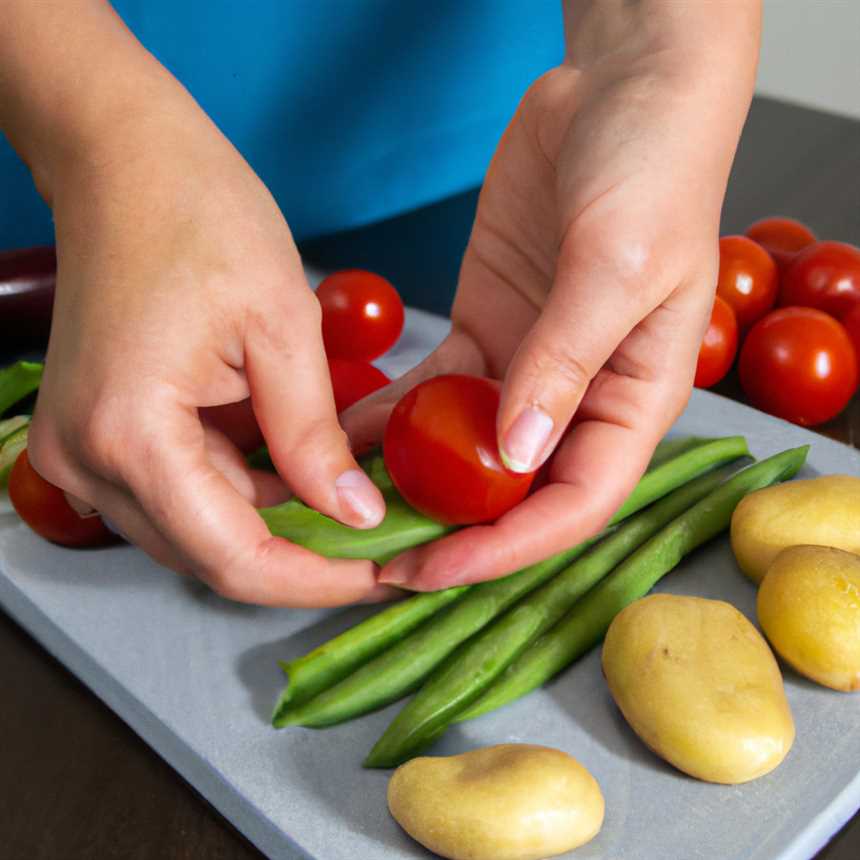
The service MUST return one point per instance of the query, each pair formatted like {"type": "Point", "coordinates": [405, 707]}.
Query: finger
{"type": "Point", "coordinates": [125, 517]}
{"type": "Point", "coordinates": [226, 543]}
{"type": "Point", "coordinates": [597, 298]}
{"type": "Point", "coordinates": [365, 422]}
{"type": "Point", "coordinates": [535, 529]}
{"type": "Point", "coordinates": [237, 422]}
{"type": "Point", "coordinates": [262, 489]}
{"type": "Point", "coordinates": [621, 420]}
{"type": "Point", "coordinates": [291, 392]}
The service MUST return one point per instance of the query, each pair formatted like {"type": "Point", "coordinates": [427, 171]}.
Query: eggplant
{"type": "Point", "coordinates": [27, 280]}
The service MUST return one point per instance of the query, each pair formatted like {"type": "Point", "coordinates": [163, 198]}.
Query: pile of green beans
{"type": "Point", "coordinates": [470, 649]}
{"type": "Point", "coordinates": [386, 657]}
{"type": "Point", "coordinates": [428, 715]}
{"type": "Point", "coordinates": [480, 660]}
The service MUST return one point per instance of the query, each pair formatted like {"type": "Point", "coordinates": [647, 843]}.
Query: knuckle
{"type": "Point", "coordinates": [314, 435]}
{"type": "Point", "coordinates": [281, 328]}
{"type": "Point", "coordinates": [560, 361]}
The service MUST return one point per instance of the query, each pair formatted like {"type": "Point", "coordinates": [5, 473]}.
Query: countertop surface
{"type": "Point", "coordinates": [77, 783]}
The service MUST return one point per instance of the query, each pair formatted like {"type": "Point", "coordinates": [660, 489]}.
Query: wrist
{"type": "Point", "coordinates": [77, 88]}
{"type": "Point", "coordinates": [688, 43]}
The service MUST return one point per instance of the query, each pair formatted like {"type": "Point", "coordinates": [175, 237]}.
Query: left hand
{"type": "Point", "coordinates": [587, 285]}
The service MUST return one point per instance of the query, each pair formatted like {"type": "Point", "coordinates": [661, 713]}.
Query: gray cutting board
{"type": "Point", "coordinates": [196, 677]}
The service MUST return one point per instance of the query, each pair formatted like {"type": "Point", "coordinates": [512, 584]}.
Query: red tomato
{"type": "Point", "coordinates": [851, 321]}
{"type": "Point", "coordinates": [719, 346]}
{"type": "Point", "coordinates": [826, 276]}
{"type": "Point", "coordinates": [798, 364]}
{"type": "Point", "coordinates": [362, 315]}
{"type": "Point", "coordinates": [353, 380]}
{"type": "Point", "coordinates": [44, 508]}
{"type": "Point", "coordinates": [441, 452]}
{"type": "Point", "coordinates": [782, 238]}
{"type": "Point", "coordinates": [748, 278]}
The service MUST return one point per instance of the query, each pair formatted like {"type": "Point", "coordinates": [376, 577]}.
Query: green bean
{"type": "Point", "coordinates": [312, 673]}
{"type": "Point", "coordinates": [684, 466]}
{"type": "Point", "coordinates": [672, 447]}
{"type": "Point", "coordinates": [399, 670]}
{"type": "Point", "coordinates": [402, 528]}
{"type": "Point", "coordinates": [472, 668]}
{"type": "Point", "coordinates": [586, 623]}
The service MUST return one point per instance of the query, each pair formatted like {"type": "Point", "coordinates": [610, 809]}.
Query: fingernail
{"type": "Point", "coordinates": [356, 492]}
{"type": "Point", "coordinates": [83, 509]}
{"type": "Point", "coordinates": [396, 573]}
{"type": "Point", "coordinates": [526, 440]}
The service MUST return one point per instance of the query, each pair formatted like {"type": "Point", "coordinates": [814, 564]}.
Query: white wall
{"type": "Point", "coordinates": [810, 53]}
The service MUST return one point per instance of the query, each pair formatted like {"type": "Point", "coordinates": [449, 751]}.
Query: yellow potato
{"type": "Point", "coordinates": [699, 685]}
{"type": "Point", "coordinates": [809, 609]}
{"type": "Point", "coordinates": [507, 802]}
{"type": "Point", "coordinates": [822, 511]}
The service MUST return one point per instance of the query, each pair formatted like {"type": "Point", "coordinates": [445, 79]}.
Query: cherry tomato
{"type": "Point", "coordinates": [826, 276]}
{"type": "Point", "coordinates": [353, 380]}
{"type": "Point", "coordinates": [441, 452]}
{"type": "Point", "coordinates": [851, 321]}
{"type": "Point", "coordinates": [44, 508]}
{"type": "Point", "coordinates": [748, 279]}
{"type": "Point", "coordinates": [362, 315]}
{"type": "Point", "coordinates": [719, 346]}
{"type": "Point", "coordinates": [782, 238]}
{"type": "Point", "coordinates": [798, 364]}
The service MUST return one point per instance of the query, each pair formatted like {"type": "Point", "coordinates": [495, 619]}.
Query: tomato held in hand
{"type": "Point", "coordinates": [441, 451]}
{"type": "Point", "coordinates": [782, 238]}
{"type": "Point", "coordinates": [851, 321]}
{"type": "Point", "coordinates": [748, 279]}
{"type": "Point", "coordinates": [798, 364]}
{"type": "Point", "coordinates": [353, 380]}
{"type": "Point", "coordinates": [362, 315]}
{"type": "Point", "coordinates": [826, 276]}
{"type": "Point", "coordinates": [44, 508]}
{"type": "Point", "coordinates": [719, 346]}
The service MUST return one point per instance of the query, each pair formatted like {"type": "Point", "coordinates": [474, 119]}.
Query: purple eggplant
{"type": "Point", "coordinates": [27, 280]}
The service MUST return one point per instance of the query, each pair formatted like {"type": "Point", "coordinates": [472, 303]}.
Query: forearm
{"type": "Point", "coordinates": [72, 77]}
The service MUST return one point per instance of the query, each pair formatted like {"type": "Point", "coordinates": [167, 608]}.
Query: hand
{"type": "Point", "coordinates": [586, 285]}
{"type": "Point", "coordinates": [179, 291]}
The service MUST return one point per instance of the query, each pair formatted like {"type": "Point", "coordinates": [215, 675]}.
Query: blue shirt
{"type": "Point", "coordinates": [349, 110]}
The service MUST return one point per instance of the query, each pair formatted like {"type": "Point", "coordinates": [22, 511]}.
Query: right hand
{"type": "Point", "coordinates": [180, 289]}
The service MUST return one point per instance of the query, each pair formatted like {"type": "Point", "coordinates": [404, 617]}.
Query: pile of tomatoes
{"type": "Point", "coordinates": [362, 318]}
{"type": "Point", "coordinates": [789, 306]}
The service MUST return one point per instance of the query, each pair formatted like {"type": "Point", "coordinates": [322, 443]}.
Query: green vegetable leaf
{"type": "Point", "coordinates": [17, 381]}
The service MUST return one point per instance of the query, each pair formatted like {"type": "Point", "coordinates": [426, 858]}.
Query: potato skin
{"type": "Point", "coordinates": [809, 608]}
{"type": "Point", "coordinates": [699, 685]}
{"type": "Point", "coordinates": [823, 511]}
{"type": "Point", "coordinates": [506, 802]}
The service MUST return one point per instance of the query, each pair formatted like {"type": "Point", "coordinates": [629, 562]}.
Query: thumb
{"type": "Point", "coordinates": [293, 402]}
{"type": "Point", "coordinates": [594, 304]}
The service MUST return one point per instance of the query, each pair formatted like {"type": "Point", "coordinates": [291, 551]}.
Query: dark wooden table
{"type": "Point", "coordinates": [77, 784]}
